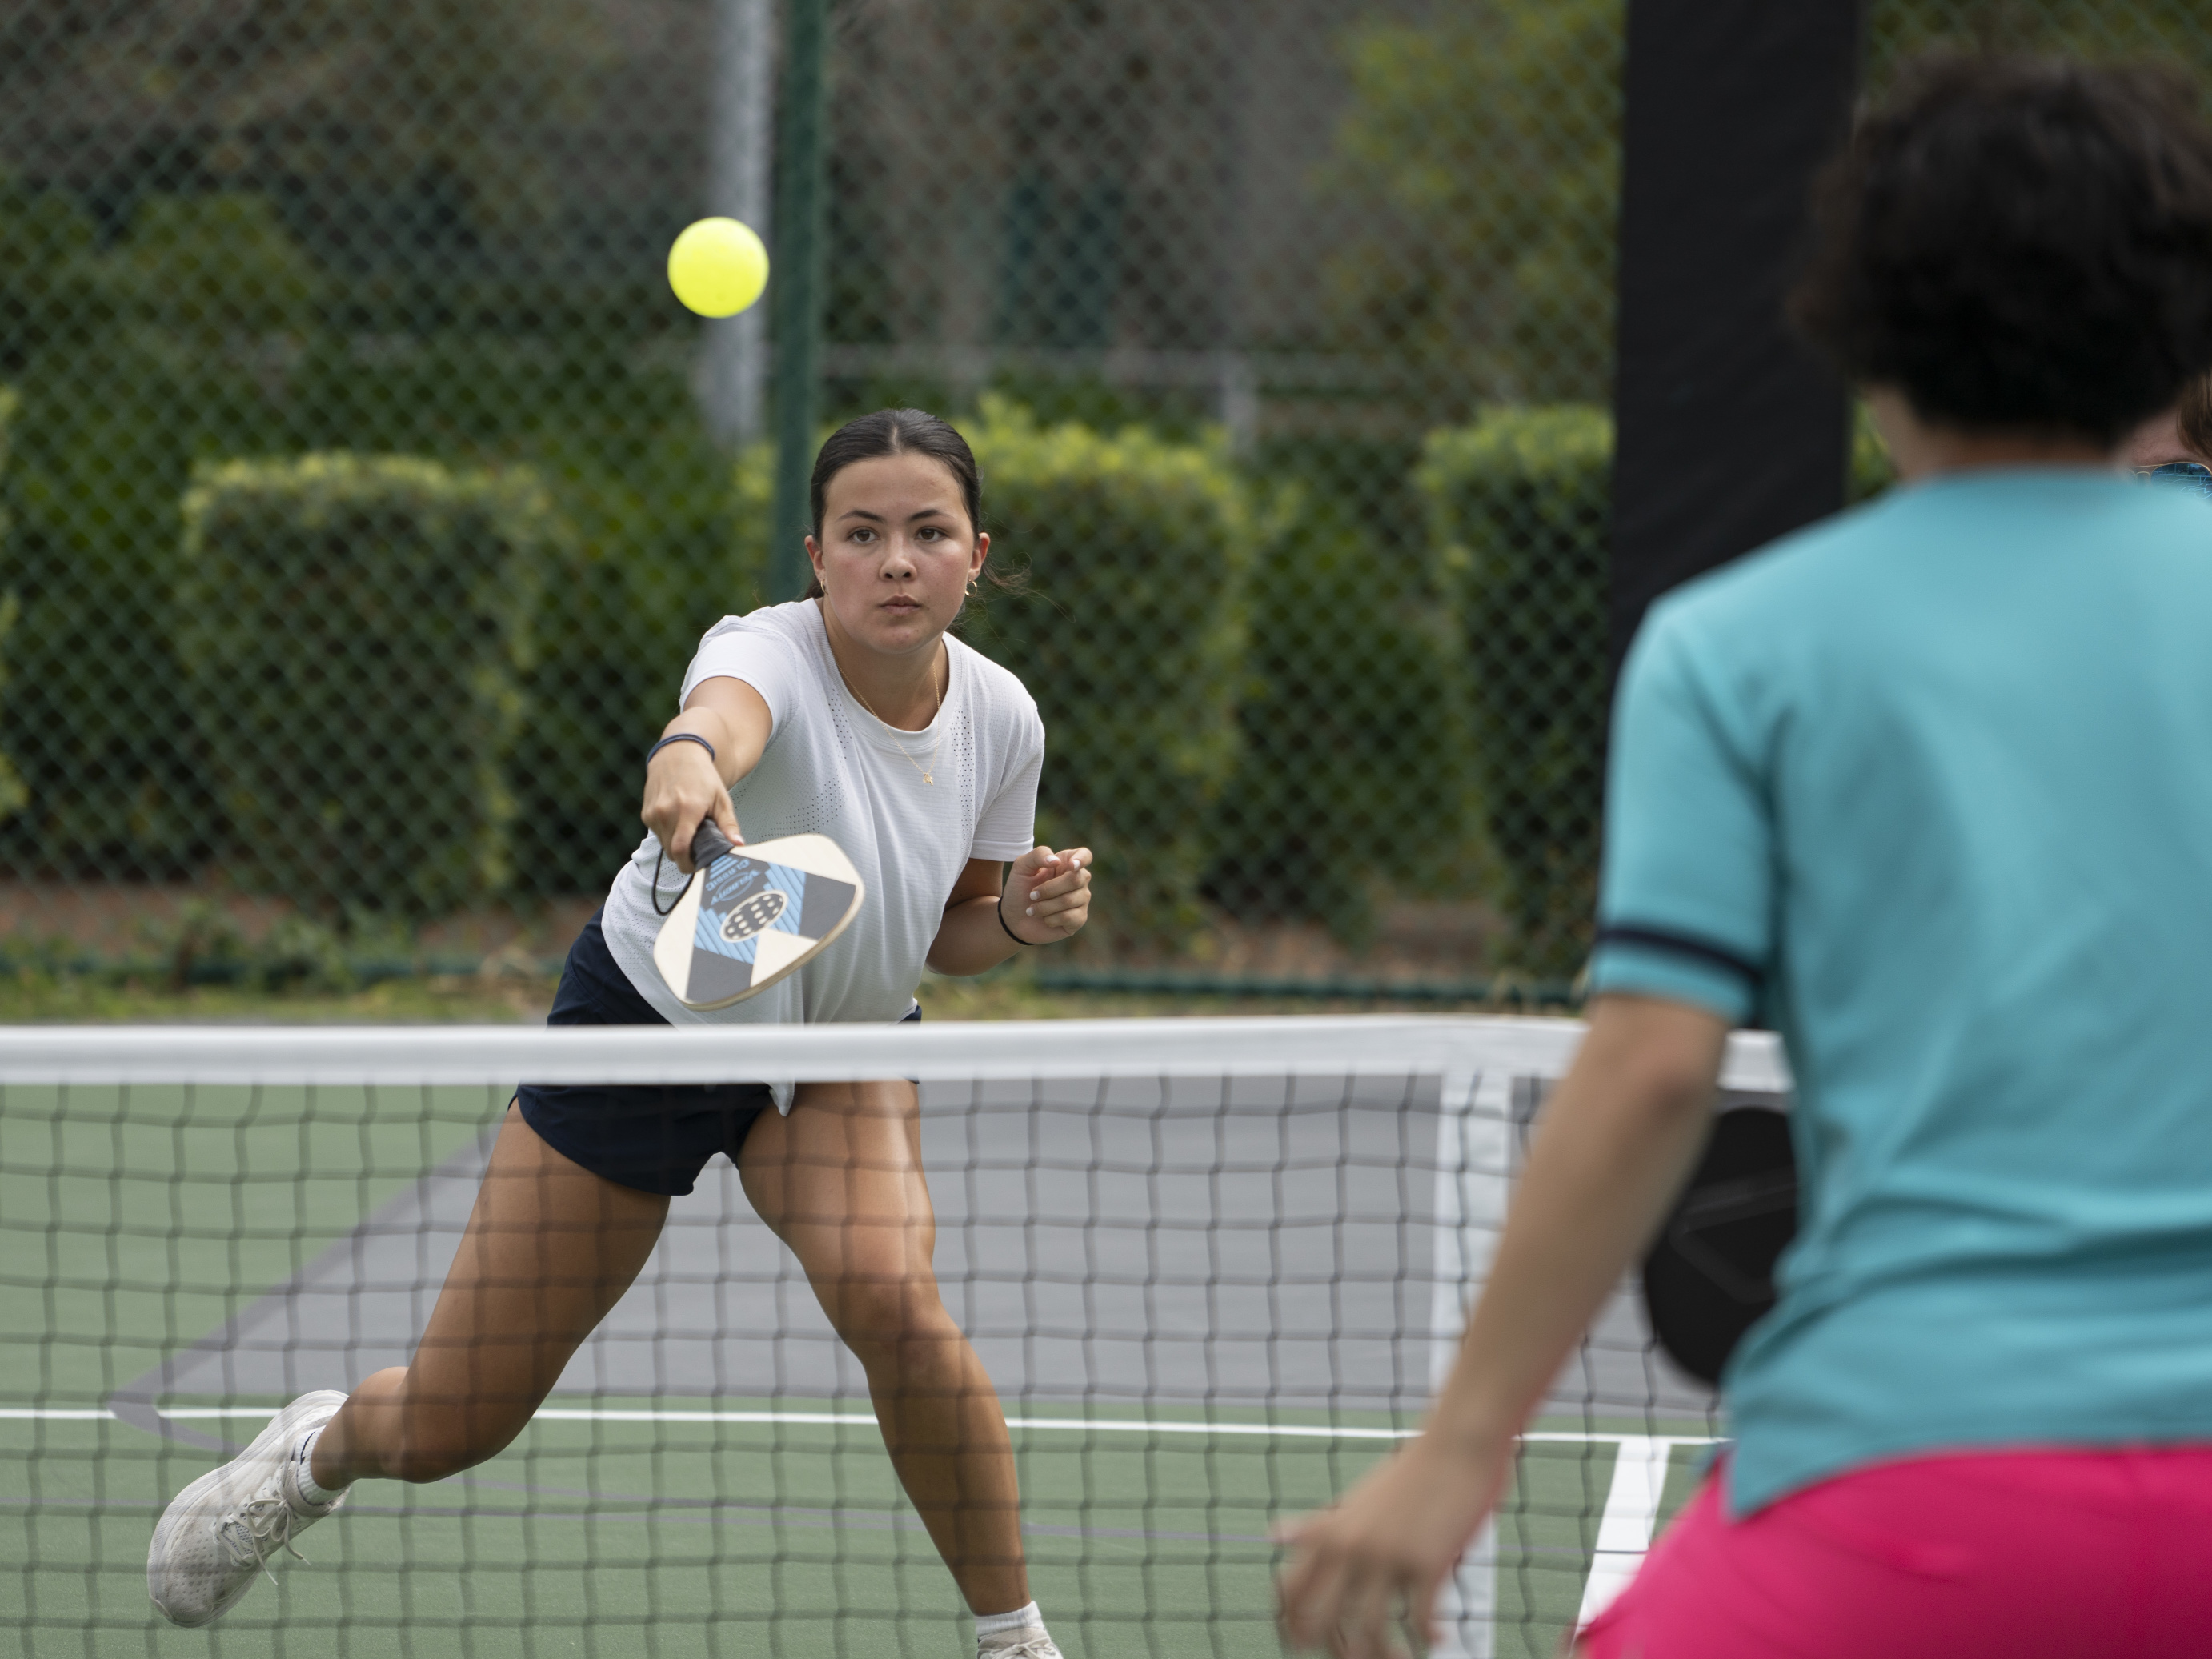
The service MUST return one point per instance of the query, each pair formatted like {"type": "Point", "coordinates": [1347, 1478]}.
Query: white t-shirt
{"type": "Point", "coordinates": [833, 769]}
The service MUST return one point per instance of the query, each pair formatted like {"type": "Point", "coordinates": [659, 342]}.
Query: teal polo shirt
{"type": "Point", "coordinates": [1927, 789]}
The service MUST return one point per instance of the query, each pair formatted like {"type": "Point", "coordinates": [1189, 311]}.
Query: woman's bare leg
{"type": "Point", "coordinates": [550, 1248]}
{"type": "Point", "coordinates": [840, 1181]}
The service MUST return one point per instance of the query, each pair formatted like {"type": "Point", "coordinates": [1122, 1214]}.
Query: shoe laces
{"type": "Point", "coordinates": [255, 1531]}
{"type": "Point", "coordinates": [1036, 1647]}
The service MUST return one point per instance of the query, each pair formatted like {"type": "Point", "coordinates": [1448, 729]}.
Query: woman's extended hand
{"type": "Point", "coordinates": [1047, 897]}
{"type": "Point", "coordinates": [1367, 1570]}
{"type": "Point", "coordinates": [683, 788]}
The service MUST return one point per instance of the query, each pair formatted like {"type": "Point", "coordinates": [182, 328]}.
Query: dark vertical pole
{"type": "Point", "coordinates": [801, 230]}
{"type": "Point", "coordinates": [1730, 432]}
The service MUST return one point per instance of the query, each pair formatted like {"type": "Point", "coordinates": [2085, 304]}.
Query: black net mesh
{"type": "Point", "coordinates": [1205, 1297]}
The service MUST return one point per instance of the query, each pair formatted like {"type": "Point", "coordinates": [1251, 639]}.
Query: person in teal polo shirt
{"type": "Point", "coordinates": [1927, 789]}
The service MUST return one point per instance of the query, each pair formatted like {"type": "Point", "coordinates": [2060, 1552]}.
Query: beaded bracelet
{"type": "Point", "coordinates": [681, 737]}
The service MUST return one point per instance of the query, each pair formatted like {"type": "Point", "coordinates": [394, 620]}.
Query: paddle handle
{"type": "Point", "coordinates": [709, 843]}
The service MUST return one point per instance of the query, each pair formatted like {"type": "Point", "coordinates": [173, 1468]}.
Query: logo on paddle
{"type": "Point", "coordinates": [753, 913]}
{"type": "Point", "coordinates": [753, 916]}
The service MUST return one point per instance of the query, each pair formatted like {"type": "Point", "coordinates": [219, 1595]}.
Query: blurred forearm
{"type": "Point", "coordinates": [1620, 1136]}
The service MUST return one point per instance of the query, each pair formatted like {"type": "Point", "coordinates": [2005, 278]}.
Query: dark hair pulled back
{"type": "Point", "coordinates": [893, 432]}
{"type": "Point", "coordinates": [2020, 243]}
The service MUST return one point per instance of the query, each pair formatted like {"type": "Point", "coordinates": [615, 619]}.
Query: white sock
{"type": "Point", "coordinates": [998, 1624]}
{"type": "Point", "coordinates": [303, 1469]}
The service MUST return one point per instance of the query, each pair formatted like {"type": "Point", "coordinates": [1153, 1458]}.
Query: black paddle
{"type": "Point", "coordinates": [1709, 1274]}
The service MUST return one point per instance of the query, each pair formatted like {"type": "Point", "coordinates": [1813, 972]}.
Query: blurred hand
{"type": "Point", "coordinates": [1047, 897]}
{"type": "Point", "coordinates": [1362, 1576]}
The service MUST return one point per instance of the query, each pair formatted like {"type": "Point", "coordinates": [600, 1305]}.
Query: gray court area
{"type": "Point", "coordinates": [1243, 1247]}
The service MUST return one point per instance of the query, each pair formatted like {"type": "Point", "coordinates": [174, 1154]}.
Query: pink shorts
{"type": "Point", "coordinates": [2029, 1555]}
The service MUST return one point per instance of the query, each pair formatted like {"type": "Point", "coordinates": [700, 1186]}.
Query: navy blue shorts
{"type": "Point", "coordinates": [655, 1137]}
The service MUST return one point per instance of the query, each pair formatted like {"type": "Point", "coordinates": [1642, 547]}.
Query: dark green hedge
{"type": "Point", "coordinates": [1355, 778]}
{"type": "Point", "coordinates": [12, 793]}
{"type": "Point", "coordinates": [1518, 505]}
{"type": "Point", "coordinates": [1131, 636]}
{"type": "Point", "coordinates": [354, 632]}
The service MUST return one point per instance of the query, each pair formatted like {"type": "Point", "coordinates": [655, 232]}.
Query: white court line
{"type": "Point", "coordinates": [56, 1414]}
{"type": "Point", "coordinates": [1624, 1532]}
{"type": "Point", "coordinates": [862, 1419]}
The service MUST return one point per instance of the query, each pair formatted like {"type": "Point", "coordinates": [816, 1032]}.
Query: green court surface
{"type": "Point", "coordinates": [135, 1223]}
{"type": "Point", "coordinates": [134, 1220]}
{"type": "Point", "coordinates": [670, 1537]}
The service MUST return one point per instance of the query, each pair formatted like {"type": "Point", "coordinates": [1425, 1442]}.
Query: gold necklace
{"type": "Point", "coordinates": [929, 772]}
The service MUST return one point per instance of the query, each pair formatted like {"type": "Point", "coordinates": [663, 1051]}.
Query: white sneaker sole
{"type": "Point", "coordinates": [203, 1502]}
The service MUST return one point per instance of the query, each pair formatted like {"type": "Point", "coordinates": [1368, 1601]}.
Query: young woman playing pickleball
{"type": "Point", "coordinates": [853, 713]}
{"type": "Point", "coordinates": [1927, 788]}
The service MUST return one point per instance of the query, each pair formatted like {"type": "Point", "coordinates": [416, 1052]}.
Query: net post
{"type": "Point", "coordinates": [1474, 1129]}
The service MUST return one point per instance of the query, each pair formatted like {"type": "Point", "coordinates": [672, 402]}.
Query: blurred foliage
{"type": "Point", "coordinates": [1871, 471]}
{"type": "Point", "coordinates": [203, 272]}
{"type": "Point", "coordinates": [203, 943]}
{"type": "Point", "coordinates": [1492, 133]}
{"type": "Point", "coordinates": [1134, 552]}
{"type": "Point", "coordinates": [1518, 504]}
{"type": "Point", "coordinates": [1355, 779]}
{"type": "Point", "coordinates": [337, 98]}
{"type": "Point", "coordinates": [176, 350]}
{"type": "Point", "coordinates": [272, 228]}
{"type": "Point", "coordinates": [354, 632]}
{"type": "Point", "coordinates": [2167, 34]}
{"type": "Point", "coordinates": [209, 347]}
{"type": "Point", "coordinates": [13, 795]}
{"type": "Point", "coordinates": [47, 271]}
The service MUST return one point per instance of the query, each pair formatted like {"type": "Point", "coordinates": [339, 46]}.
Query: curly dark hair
{"type": "Point", "coordinates": [2019, 244]}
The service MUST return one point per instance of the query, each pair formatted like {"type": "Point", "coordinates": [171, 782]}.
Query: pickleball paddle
{"type": "Point", "coordinates": [751, 915]}
{"type": "Point", "coordinates": [1709, 1274]}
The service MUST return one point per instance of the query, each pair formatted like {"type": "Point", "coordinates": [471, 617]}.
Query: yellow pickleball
{"type": "Point", "coordinates": [718, 267]}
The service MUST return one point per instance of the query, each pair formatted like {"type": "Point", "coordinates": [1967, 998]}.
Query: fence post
{"type": "Point", "coordinates": [1730, 431]}
{"type": "Point", "coordinates": [737, 175]}
{"type": "Point", "coordinates": [801, 226]}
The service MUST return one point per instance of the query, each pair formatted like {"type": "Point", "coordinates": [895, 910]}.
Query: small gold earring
{"type": "Point", "coordinates": [971, 585]}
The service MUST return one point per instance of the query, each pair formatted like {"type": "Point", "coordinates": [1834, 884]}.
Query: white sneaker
{"type": "Point", "coordinates": [1031, 1642]}
{"type": "Point", "coordinates": [221, 1530]}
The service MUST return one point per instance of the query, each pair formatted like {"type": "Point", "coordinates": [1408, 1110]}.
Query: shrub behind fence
{"type": "Point", "coordinates": [12, 793]}
{"type": "Point", "coordinates": [1128, 627]}
{"type": "Point", "coordinates": [1310, 249]}
{"type": "Point", "coordinates": [354, 632]}
{"type": "Point", "coordinates": [1517, 508]}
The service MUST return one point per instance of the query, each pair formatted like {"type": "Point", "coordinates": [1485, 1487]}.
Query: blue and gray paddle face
{"type": "Point", "coordinates": [755, 918]}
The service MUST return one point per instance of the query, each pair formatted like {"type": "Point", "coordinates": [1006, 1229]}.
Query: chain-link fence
{"type": "Point", "coordinates": [367, 490]}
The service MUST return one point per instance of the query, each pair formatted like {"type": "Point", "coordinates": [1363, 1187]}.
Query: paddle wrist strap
{"type": "Point", "coordinates": [681, 737]}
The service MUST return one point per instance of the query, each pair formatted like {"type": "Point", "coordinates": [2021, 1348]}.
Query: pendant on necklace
{"type": "Point", "coordinates": [928, 779]}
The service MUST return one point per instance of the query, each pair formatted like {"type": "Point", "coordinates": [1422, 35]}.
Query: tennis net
{"type": "Point", "coordinates": [1212, 1266]}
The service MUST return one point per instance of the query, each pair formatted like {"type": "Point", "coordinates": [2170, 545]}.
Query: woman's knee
{"type": "Point", "coordinates": [888, 1310]}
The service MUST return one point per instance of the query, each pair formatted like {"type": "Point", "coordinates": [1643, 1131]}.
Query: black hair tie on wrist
{"type": "Point", "coordinates": [1001, 914]}
{"type": "Point", "coordinates": [681, 737]}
